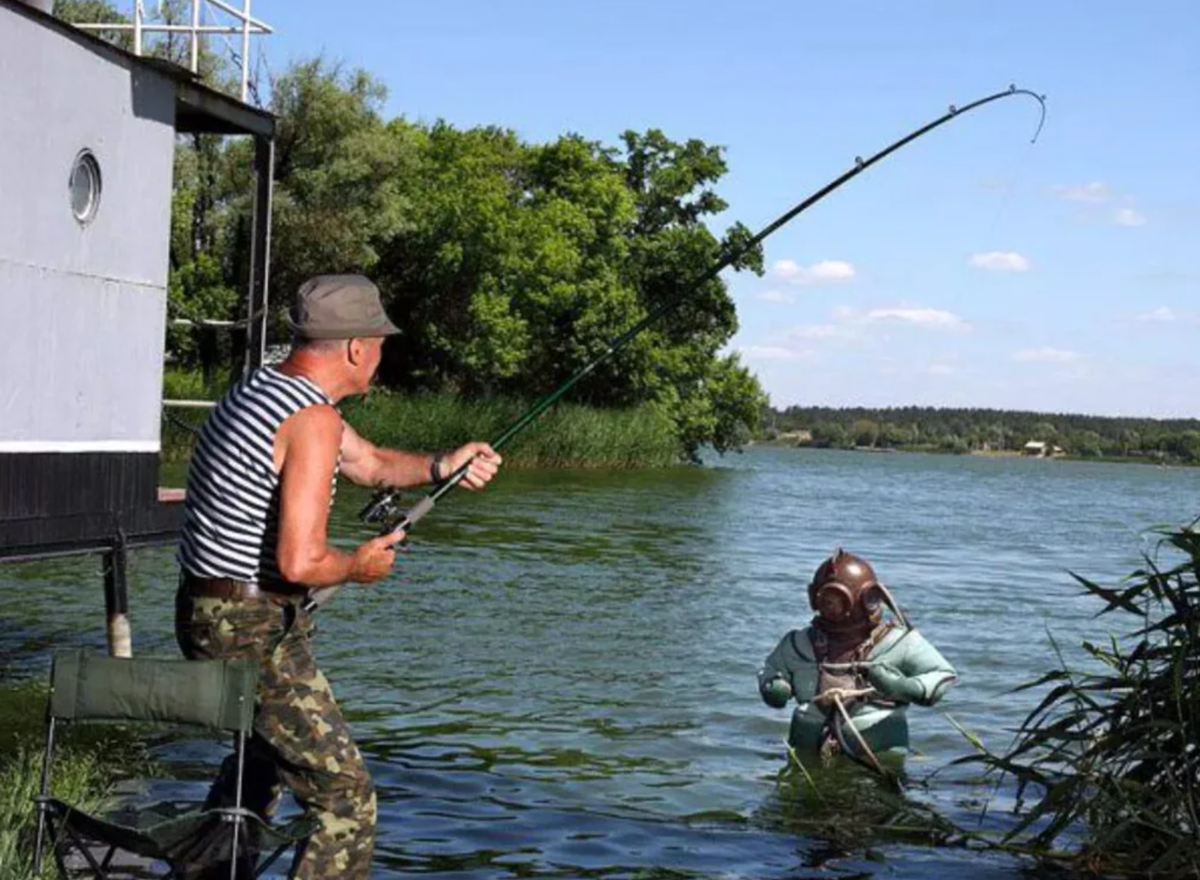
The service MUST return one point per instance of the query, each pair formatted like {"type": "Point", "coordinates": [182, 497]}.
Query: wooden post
{"type": "Point", "coordinates": [116, 598]}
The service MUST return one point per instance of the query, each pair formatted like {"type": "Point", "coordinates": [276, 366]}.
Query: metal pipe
{"type": "Point", "coordinates": [260, 253]}
{"type": "Point", "coordinates": [245, 50]}
{"type": "Point", "coordinates": [116, 599]}
{"type": "Point", "coordinates": [238, 13]}
{"type": "Point", "coordinates": [163, 28]}
{"type": "Point", "coordinates": [190, 404]}
{"type": "Point", "coordinates": [195, 36]}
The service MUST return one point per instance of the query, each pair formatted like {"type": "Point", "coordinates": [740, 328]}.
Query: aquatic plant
{"type": "Point", "coordinates": [1109, 759]}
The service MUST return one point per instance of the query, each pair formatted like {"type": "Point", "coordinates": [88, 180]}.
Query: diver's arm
{"type": "Point", "coordinates": [914, 672]}
{"type": "Point", "coordinates": [774, 677]}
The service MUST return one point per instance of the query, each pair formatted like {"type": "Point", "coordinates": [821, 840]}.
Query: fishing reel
{"type": "Point", "coordinates": [383, 511]}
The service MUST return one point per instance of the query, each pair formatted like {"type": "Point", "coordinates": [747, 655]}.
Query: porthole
{"type": "Point", "coordinates": [84, 187]}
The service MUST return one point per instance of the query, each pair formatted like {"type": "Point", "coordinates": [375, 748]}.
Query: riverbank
{"type": "Point", "coordinates": [933, 449]}
{"type": "Point", "coordinates": [568, 435]}
{"type": "Point", "coordinates": [88, 760]}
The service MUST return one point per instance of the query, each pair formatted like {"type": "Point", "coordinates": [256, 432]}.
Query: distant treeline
{"type": "Point", "coordinates": [968, 430]}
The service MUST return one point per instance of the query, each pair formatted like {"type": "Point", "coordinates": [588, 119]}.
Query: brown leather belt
{"type": "Point", "coordinates": [229, 588]}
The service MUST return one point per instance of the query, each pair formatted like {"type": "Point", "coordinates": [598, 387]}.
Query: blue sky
{"type": "Point", "coordinates": [969, 269]}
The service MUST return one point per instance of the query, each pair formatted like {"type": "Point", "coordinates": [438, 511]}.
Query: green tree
{"type": "Point", "coordinates": [96, 12]}
{"type": "Point", "coordinates": [1085, 443]}
{"type": "Point", "coordinates": [342, 175]}
{"type": "Point", "coordinates": [864, 432]}
{"type": "Point", "coordinates": [1044, 432]}
{"type": "Point", "coordinates": [830, 434]}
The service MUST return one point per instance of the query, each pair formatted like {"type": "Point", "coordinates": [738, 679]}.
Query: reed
{"type": "Point", "coordinates": [1108, 761]}
{"type": "Point", "coordinates": [566, 436]}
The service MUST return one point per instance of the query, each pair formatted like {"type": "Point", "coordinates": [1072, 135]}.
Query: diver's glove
{"type": "Point", "coordinates": [892, 684]}
{"type": "Point", "coordinates": [776, 692]}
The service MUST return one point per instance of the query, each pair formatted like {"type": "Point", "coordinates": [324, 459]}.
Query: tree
{"type": "Point", "coordinates": [864, 432]}
{"type": "Point", "coordinates": [342, 175]}
{"type": "Point", "coordinates": [1044, 432]}
{"type": "Point", "coordinates": [830, 434]}
{"type": "Point", "coordinates": [1085, 443]}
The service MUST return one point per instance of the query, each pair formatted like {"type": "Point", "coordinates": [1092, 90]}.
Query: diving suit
{"type": "Point", "coordinates": [849, 654]}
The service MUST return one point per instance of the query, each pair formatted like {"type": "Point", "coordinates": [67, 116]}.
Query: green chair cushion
{"type": "Point", "coordinates": [217, 694]}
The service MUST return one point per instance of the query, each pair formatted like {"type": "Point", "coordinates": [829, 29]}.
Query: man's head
{"type": "Point", "coordinates": [845, 593]}
{"type": "Point", "coordinates": [340, 317]}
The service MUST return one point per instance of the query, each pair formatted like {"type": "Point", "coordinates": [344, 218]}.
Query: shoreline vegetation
{"type": "Point", "coordinates": [572, 435]}
{"type": "Point", "coordinates": [986, 432]}
{"type": "Point", "coordinates": [1110, 750]}
{"type": "Point", "coordinates": [566, 436]}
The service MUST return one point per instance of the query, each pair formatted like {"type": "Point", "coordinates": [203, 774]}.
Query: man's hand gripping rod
{"type": "Point", "coordinates": [383, 508]}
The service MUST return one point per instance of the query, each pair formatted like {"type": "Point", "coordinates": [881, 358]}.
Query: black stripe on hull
{"type": "Point", "coordinates": [60, 502]}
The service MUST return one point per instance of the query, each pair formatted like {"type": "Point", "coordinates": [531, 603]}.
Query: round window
{"type": "Point", "coordinates": [85, 186]}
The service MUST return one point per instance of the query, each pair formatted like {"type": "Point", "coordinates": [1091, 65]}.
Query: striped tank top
{"type": "Point", "coordinates": [231, 509]}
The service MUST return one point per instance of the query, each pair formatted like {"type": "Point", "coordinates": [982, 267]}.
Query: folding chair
{"type": "Point", "coordinates": [213, 694]}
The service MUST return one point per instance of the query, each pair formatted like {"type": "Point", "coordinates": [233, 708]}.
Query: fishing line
{"type": "Point", "coordinates": [384, 511]}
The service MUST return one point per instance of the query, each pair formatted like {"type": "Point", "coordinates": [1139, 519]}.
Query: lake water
{"type": "Point", "coordinates": [559, 679]}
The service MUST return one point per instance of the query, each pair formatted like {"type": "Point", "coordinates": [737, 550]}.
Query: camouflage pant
{"type": "Point", "coordinates": [300, 737]}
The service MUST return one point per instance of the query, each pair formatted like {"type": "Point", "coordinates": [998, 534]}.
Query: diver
{"type": "Point", "coordinates": [852, 673]}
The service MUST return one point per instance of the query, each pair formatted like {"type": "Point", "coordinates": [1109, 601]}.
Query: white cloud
{"type": "Point", "coordinates": [775, 296]}
{"type": "Point", "coordinates": [1046, 355]}
{"type": "Point", "coordinates": [1168, 315]}
{"type": "Point", "coordinates": [769, 353]}
{"type": "Point", "coordinates": [815, 331]}
{"type": "Point", "coordinates": [821, 272]}
{"type": "Point", "coordinates": [1000, 261]}
{"type": "Point", "coordinates": [1128, 217]}
{"type": "Point", "coordinates": [936, 319]}
{"type": "Point", "coordinates": [1095, 193]}
{"type": "Point", "coordinates": [1162, 314]}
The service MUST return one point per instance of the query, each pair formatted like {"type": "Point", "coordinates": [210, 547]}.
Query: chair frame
{"type": "Point", "coordinates": [52, 815]}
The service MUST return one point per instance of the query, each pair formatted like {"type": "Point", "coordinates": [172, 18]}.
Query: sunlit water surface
{"type": "Point", "coordinates": [559, 679]}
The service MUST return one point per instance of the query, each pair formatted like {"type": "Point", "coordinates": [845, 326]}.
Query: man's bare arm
{"type": "Point", "coordinates": [307, 443]}
{"type": "Point", "coordinates": [374, 466]}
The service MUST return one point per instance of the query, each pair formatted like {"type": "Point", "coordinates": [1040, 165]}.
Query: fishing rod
{"type": "Point", "coordinates": [384, 511]}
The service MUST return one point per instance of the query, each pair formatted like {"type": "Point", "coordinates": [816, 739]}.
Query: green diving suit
{"type": "Point", "coordinates": [902, 667]}
{"type": "Point", "coordinates": [875, 668]}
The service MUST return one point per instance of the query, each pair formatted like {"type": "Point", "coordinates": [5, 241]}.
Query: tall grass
{"type": "Point", "coordinates": [87, 759]}
{"type": "Point", "coordinates": [566, 436]}
{"type": "Point", "coordinates": [1110, 757]}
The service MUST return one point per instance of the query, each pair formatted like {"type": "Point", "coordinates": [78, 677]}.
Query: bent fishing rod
{"type": "Point", "coordinates": [384, 510]}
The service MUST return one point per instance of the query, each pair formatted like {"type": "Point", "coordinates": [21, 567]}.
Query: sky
{"type": "Point", "coordinates": [971, 268]}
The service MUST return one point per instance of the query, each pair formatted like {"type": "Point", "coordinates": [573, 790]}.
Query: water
{"type": "Point", "coordinates": [559, 680]}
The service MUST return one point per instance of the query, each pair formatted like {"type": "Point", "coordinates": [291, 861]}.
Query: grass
{"type": "Point", "coordinates": [87, 761]}
{"type": "Point", "coordinates": [566, 436]}
{"type": "Point", "coordinates": [1109, 759]}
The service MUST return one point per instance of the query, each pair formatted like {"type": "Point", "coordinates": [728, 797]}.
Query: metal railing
{"type": "Point", "coordinates": [246, 25]}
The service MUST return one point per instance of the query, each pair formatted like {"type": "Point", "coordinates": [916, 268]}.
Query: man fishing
{"type": "Point", "coordinates": [852, 674]}
{"type": "Point", "coordinates": [255, 541]}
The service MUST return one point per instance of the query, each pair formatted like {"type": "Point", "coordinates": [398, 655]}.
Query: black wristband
{"type": "Point", "coordinates": [434, 467]}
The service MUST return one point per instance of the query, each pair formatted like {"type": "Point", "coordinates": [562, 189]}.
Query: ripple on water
{"type": "Point", "coordinates": [559, 679]}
